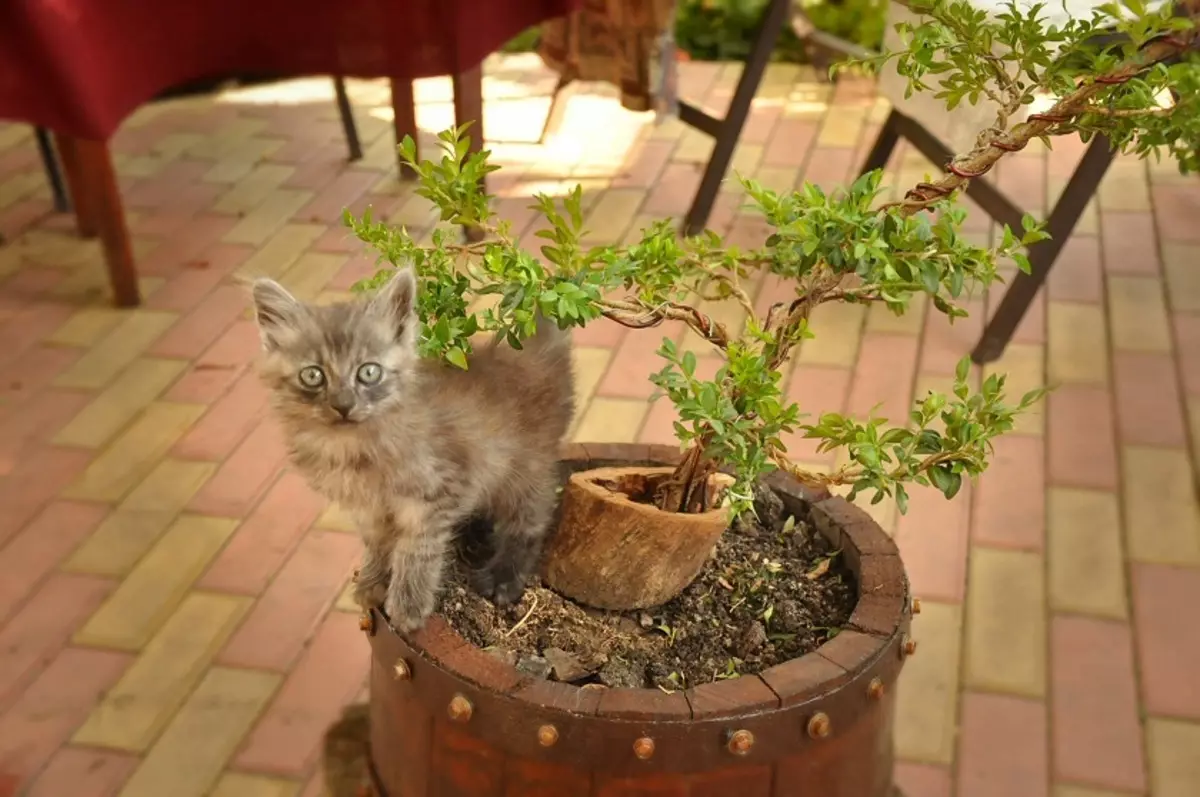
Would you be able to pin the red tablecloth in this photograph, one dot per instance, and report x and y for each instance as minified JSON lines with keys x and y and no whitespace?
{"x":81,"y":66}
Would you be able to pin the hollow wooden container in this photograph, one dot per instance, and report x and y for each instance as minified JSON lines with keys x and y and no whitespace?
{"x":449,"y":720}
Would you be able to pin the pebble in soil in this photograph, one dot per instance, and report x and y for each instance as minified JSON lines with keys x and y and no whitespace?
{"x":774,"y":590}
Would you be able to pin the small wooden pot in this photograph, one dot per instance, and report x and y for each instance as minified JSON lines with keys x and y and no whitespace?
{"x":603,"y":533}
{"x":450,"y":720}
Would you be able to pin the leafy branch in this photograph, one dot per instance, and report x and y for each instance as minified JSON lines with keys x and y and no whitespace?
{"x":843,"y":246}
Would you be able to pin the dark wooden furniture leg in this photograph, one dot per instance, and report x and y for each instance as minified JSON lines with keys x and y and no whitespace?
{"x":68,"y":153}
{"x":1061,"y":222}
{"x":98,"y":208}
{"x":468,"y":107}
{"x":727,"y":131}
{"x":1070,"y":206}
{"x":347,"y":113}
{"x":404,"y":113}
{"x":62,"y":202}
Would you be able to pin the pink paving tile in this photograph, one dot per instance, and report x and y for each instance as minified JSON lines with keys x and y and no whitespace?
{"x":761,"y":122}
{"x":1149,"y":404}
{"x":265,"y":540}
{"x":34,"y":552}
{"x":946,"y":343}
{"x":173,"y":254}
{"x":1022,"y":178}
{"x":160,"y":189}
{"x":291,"y":607}
{"x":1097,"y":736}
{"x":1002,"y":749}
{"x":1081,"y":438}
{"x":182,"y":292}
{"x":601,"y":332}
{"x":933,"y":538}
{"x":1164,"y":600}
{"x":643,"y":165}
{"x":227,"y":422}
{"x":673,"y":191}
{"x":1010,"y":497}
{"x":34,"y":482}
{"x":659,"y":425}
{"x":817,"y":389}
{"x":191,"y":335}
{"x":252,"y":467}
{"x":1032,"y":328}
{"x":790,"y":143}
{"x":287,"y":741}
{"x":1176,"y":208}
{"x":1130,"y":245}
{"x":34,"y":320}
{"x":343,"y":190}
{"x":1077,"y":275}
{"x":35,"y":420}
{"x":22,"y":215}
{"x":46,"y":714}
{"x":43,"y":626}
{"x":1187,"y":339}
{"x":220,"y":366}
{"x":883,"y":377}
{"x":923,"y":780}
{"x":356,"y":268}
{"x":84,"y":773}
{"x":34,"y":369}
{"x":628,"y":374}
{"x":830,"y":167}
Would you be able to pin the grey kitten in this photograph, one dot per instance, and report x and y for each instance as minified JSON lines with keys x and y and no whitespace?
{"x":412,"y":447}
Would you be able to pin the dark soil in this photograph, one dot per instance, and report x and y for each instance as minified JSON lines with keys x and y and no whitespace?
{"x":775,"y":590}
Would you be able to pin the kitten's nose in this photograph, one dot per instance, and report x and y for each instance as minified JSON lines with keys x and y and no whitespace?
{"x":343,"y":405}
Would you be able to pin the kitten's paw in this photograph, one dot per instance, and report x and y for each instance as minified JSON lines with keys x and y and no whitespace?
{"x":502,"y":585}
{"x":370,"y":595}
{"x":403,"y":616}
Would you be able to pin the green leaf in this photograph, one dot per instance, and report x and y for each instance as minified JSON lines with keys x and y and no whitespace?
{"x":456,"y":357}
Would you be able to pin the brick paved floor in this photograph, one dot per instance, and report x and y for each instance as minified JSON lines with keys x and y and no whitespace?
{"x":172,"y":615}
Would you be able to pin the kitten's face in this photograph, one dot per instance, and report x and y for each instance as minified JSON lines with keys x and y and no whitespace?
{"x":337,"y":365}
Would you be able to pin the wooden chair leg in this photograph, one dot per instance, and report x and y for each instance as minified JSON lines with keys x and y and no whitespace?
{"x":404,"y":111}
{"x":468,"y":107}
{"x":95,"y":188}
{"x":68,"y":153}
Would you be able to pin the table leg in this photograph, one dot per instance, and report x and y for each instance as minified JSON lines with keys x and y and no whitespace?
{"x":68,"y":154}
{"x":96,"y":189}
{"x":404,"y":113}
{"x":468,"y":107}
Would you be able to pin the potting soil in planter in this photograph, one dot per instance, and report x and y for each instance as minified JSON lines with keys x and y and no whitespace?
{"x":775,"y":590}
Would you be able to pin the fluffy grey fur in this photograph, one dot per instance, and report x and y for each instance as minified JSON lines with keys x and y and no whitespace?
{"x":414,"y":448}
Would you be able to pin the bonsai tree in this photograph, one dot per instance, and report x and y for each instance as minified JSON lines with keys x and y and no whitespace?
{"x":842,"y":246}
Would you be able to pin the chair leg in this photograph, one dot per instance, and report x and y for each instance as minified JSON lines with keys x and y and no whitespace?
{"x":404,"y":120}
{"x":81,"y":199}
{"x":1079,"y":191}
{"x":346,"y":112}
{"x":98,"y":202}
{"x":884,"y":146}
{"x":62,"y":202}
{"x":730,"y":129}
{"x":468,"y":107}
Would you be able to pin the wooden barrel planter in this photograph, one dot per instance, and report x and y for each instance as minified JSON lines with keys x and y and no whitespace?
{"x":450,"y":720}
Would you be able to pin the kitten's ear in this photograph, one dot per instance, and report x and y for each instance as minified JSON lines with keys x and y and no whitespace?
{"x":396,"y":303}
{"x":276,"y":311}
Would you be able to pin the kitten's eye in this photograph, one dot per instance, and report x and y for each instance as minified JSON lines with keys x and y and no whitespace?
{"x":312,"y":376}
{"x":369,"y":373}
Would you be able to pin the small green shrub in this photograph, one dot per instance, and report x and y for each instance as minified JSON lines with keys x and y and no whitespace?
{"x":723,"y":30}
